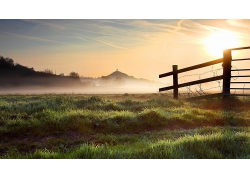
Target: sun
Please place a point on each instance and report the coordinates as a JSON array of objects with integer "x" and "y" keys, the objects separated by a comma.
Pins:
[{"x": 219, "y": 41}]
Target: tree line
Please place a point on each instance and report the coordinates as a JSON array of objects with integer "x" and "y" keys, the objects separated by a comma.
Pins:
[{"x": 9, "y": 63}]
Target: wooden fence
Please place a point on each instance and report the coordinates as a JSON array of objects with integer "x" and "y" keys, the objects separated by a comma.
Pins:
[{"x": 226, "y": 60}]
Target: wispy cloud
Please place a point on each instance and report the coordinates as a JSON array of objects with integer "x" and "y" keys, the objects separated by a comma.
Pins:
[
  {"x": 124, "y": 34},
  {"x": 112, "y": 45},
  {"x": 93, "y": 31},
  {"x": 102, "y": 43},
  {"x": 56, "y": 26},
  {"x": 38, "y": 39},
  {"x": 178, "y": 28},
  {"x": 198, "y": 30},
  {"x": 238, "y": 23},
  {"x": 29, "y": 37},
  {"x": 195, "y": 27},
  {"x": 144, "y": 30}
]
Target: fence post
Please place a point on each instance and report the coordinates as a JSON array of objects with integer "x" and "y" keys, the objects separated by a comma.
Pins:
[
  {"x": 227, "y": 58},
  {"x": 175, "y": 81}
]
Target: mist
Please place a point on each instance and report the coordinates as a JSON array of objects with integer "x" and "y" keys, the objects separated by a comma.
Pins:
[{"x": 78, "y": 90}]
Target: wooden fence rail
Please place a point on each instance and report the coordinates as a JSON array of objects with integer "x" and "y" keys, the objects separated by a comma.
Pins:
[
  {"x": 192, "y": 67},
  {"x": 192, "y": 83},
  {"x": 226, "y": 63}
]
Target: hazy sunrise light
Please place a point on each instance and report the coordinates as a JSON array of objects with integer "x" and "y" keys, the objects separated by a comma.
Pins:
[
  {"x": 219, "y": 41},
  {"x": 96, "y": 48}
]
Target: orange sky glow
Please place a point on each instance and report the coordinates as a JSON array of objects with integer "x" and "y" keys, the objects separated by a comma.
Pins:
[{"x": 139, "y": 47}]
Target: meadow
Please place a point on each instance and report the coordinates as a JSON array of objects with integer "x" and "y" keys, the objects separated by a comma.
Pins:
[{"x": 124, "y": 126}]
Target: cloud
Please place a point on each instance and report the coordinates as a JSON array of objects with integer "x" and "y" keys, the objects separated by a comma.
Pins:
[
  {"x": 112, "y": 45},
  {"x": 151, "y": 26},
  {"x": 195, "y": 27},
  {"x": 133, "y": 32},
  {"x": 102, "y": 43},
  {"x": 96, "y": 28},
  {"x": 198, "y": 30},
  {"x": 138, "y": 30},
  {"x": 29, "y": 37},
  {"x": 55, "y": 26},
  {"x": 178, "y": 28},
  {"x": 37, "y": 39},
  {"x": 238, "y": 23},
  {"x": 184, "y": 28}
]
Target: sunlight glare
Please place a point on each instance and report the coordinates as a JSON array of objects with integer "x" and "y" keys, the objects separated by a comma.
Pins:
[{"x": 219, "y": 41}]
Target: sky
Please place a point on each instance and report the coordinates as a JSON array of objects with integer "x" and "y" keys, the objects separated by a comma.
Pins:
[
  {"x": 143, "y": 48},
  {"x": 142, "y": 40}
]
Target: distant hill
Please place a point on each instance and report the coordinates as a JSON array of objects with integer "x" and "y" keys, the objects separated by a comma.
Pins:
[
  {"x": 118, "y": 74},
  {"x": 16, "y": 75},
  {"x": 119, "y": 79}
]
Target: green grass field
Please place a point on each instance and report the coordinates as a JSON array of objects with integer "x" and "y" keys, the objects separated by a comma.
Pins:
[{"x": 130, "y": 126}]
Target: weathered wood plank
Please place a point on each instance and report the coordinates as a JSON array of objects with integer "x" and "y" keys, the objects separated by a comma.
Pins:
[
  {"x": 245, "y": 59},
  {"x": 200, "y": 65},
  {"x": 240, "y": 48},
  {"x": 240, "y": 70},
  {"x": 166, "y": 88},
  {"x": 175, "y": 81},
  {"x": 193, "y": 67},
  {"x": 193, "y": 83},
  {"x": 242, "y": 76},
  {"x": 227, "y": 60},
  {"x": 240, "y": 82},
  {"x": 201, "y": 81}
]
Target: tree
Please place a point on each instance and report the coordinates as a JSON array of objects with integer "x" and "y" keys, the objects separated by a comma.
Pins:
[
  {"x": 105, "y": 80},
  {"x": 6, "y": 62},
  {"x": 10, "y": 61},
  {"x": 74, "y": 74},
  {"x": 48, "y": 71}
]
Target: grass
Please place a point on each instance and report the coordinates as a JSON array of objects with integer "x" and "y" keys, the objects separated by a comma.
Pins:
[{"x": 133, "y": 126}]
